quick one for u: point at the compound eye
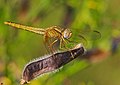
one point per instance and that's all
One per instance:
(67, 34)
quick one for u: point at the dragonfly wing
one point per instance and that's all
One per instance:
(91, 35)
(83, 36)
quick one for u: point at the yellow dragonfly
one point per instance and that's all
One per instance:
(55, 32)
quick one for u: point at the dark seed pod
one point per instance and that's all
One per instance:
(50, 63)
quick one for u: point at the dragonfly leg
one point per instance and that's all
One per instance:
(51, 45)
(50, 48)
(46, 41)
(62, 43)
(65, 42)
(48, 45)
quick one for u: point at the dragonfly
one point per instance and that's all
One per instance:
(54, 32)
(58, 34)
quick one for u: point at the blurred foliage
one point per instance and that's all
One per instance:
(17, 47)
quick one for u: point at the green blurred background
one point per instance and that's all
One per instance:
(18, 47)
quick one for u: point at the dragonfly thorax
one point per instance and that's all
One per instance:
(67, 33)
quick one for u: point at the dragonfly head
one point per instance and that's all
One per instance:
(67, 33)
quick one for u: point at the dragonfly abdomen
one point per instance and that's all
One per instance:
(28, 28)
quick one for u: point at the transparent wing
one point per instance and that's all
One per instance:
(83, 36)
(90, 35)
